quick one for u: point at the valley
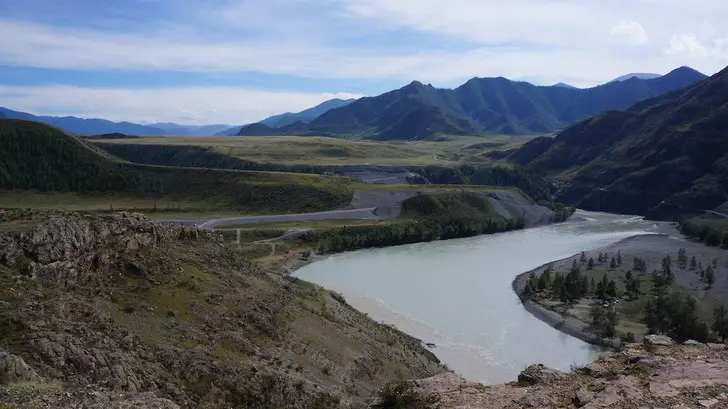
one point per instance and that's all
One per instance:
(444, 234)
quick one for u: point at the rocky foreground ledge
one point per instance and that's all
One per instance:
(656, 374)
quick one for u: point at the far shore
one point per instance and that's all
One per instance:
(651, 247)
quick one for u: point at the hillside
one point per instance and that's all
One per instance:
(105, 311)
(85, 126)
(663, 158)
(307, 115)
(38, 157)
(480, 106)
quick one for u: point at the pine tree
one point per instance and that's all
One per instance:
(619, 258)
(612, 289)
(710, 276)
(583, 257)
(693, 263)
(682, 258)
(613, 264)
(720, 324)
(585, 290)
(590, 265)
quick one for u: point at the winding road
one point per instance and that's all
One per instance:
(361, 214)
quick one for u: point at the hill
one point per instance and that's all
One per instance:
(664, 157)
(35, 156)
(480, 106)
(114, 311)
(83, 126)
(307, 115)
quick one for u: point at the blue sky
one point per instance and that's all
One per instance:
(236, 61)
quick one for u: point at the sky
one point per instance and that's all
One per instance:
(239, 61)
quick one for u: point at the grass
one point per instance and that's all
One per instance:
(296, 150)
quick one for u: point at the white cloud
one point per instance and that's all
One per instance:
(630, 32)
(181, 105)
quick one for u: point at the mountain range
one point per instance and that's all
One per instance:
(85, 126)
(480, 106)
(190, 130)
(289, 118)
(664, 157)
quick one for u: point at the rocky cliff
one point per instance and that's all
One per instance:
(116, 311)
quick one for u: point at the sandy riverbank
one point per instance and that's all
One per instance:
(651, 248)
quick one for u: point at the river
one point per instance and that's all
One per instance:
(457, 294)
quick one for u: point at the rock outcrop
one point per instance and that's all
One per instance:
(638, 376)
(158, 316)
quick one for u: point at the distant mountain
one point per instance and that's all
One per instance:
(191, 130)
(85, 126)
(480, 106)
(664, 157)
(638, 75)
(232, 131)
(563, 85)
(305, 116)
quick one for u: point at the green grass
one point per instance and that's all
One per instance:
(296, 150)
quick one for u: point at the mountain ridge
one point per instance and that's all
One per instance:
(664, 157)
(480, 106)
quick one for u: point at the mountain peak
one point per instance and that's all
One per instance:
(685, 70)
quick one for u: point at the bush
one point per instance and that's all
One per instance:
(714, 238)
(628, 337)
(402, 395)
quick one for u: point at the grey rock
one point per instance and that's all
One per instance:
(537, 374)
(659, 340)
(693, 343)
(14, 369)
(582, 397)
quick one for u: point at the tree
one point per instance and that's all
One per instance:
(583, 257)
(585, 286)
(667, 274)
(720, 322)
(633, 287)
(619, 258)
(629, 275)
(714, 238)
(682, 258)
(725, 240)
(613, 264)
(542, 283)
(612, 289)
(710, 276)
(600, 259)
(675, 314)
(693, 263)
(590, 265)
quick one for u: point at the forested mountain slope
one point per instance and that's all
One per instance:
(665, 157)
(481, 105)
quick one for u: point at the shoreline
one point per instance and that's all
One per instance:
(568, 325)
(649, 246)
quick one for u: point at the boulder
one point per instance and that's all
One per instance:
(14, 369)
(659, 340)
(538, 374)
(582, 397)
(693, 343)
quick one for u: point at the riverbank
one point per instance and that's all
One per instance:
(574, 320)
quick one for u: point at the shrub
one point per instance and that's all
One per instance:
(402, 395)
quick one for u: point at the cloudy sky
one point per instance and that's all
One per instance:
(237, 61)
